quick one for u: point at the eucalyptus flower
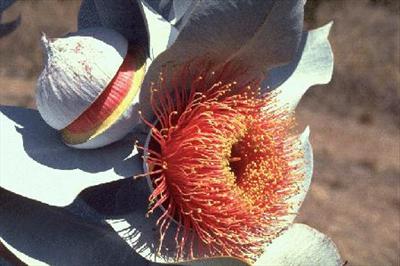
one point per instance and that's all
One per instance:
(219, 172)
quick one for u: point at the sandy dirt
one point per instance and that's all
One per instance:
(355, 195)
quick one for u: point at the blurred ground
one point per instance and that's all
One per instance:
(355, 194)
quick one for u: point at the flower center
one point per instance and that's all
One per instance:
(224, 166)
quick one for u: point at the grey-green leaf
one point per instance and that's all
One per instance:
(124, 16)
(8, 27)
(36, 164)
(50, 235)
(300, 245)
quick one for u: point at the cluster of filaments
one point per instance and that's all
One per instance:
(223, 165)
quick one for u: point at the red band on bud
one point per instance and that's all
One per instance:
(106, 103)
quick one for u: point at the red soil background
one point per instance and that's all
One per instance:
(355, 194)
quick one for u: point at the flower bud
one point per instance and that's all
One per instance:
(88, 87)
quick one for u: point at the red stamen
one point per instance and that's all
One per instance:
(226, 165)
